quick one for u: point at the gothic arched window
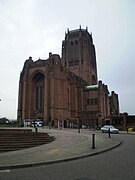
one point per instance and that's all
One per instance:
(38, 89)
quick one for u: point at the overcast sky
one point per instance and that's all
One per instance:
(37, 27)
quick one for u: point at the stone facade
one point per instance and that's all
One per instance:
(66, 90)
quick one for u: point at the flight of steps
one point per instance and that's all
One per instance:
(12, 140)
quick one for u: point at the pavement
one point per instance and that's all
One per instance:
(68, 145)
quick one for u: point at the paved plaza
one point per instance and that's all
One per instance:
(69, 145)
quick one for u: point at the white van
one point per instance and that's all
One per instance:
(27, 122)
(37, 122)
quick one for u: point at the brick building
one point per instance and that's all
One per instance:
(65, 90)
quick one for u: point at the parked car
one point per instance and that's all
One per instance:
(105, 129)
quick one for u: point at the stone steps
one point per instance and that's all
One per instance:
(14, 130)
(16, 141)
(25, 142)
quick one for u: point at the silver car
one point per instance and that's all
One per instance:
(105, 129)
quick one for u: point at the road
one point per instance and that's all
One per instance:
(116, 164)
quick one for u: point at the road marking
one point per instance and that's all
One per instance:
(5, 171)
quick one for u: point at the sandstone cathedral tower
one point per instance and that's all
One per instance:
(78, 55)
(66, 89)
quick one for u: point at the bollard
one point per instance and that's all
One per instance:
(93, 141)
(109, 132)
(36, 129)
(79, 127)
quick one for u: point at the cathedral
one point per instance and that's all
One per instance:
(65, 90)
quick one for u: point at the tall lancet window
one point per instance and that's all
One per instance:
(38, 92)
